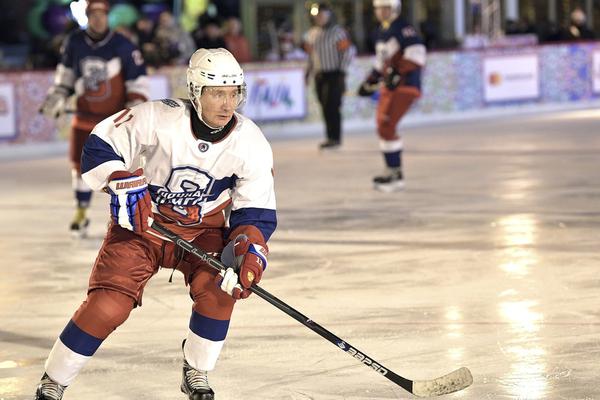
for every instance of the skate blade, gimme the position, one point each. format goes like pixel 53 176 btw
pixel 389 187
pixel 80 232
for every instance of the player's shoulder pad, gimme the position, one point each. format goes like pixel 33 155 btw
pixel 75 38
pixel 123 45
pixel 158 111
pixel 249 127
pixel 122 41
pixel 402 27
pixel 173 103
pixel 167 103
pixel 253 141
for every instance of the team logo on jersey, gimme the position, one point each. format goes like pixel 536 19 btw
pixel 203 147
pixel 95 76
pixel 183 194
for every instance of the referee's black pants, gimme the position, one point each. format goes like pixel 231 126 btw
pixel 330 87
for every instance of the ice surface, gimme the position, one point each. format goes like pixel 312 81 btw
pixel 489 259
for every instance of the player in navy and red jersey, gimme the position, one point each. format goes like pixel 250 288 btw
pixel 205 172
pixel 399 57
pixel 106 73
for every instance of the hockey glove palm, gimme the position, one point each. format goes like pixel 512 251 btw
pixel 247 261
pixel 55 102
pixel 130 202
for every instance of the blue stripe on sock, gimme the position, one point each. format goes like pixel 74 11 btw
pixel 79 341
pixel 83 198
pixel 208 328
pixel 392 159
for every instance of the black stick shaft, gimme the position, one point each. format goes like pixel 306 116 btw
pixel 406 384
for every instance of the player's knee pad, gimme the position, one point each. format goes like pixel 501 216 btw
pixel 209 300
pixel 386 130
pixel 102 312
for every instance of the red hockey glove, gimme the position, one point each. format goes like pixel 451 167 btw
pixel 248 262
pixel 130 202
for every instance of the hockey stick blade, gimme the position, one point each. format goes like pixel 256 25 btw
pixel 450 383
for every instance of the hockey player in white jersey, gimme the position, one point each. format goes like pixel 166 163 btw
pixel 205 172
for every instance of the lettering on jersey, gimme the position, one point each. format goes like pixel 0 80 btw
pixel 121 119
pixel 362 358
pixel 171 103
pixel 94 72
pixel 183 194
pixel 409 31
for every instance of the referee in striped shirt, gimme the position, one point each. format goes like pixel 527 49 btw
pixel 330 52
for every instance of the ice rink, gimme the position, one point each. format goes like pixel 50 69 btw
pixel 490 259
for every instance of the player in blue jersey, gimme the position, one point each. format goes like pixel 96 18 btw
pixel 106 73
pixel 202 170
pixel 399 58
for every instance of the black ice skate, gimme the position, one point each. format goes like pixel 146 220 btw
pixel 79 229
pixel 330 145
pixel 79 226
pixel 195 382
pixel 49 390
pixel 391 181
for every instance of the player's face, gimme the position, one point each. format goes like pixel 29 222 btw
pixel 218 104
pixel 322 18
pixel 98 22
pixel 383 13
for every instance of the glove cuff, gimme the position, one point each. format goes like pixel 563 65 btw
pixel 121 182
pixel 259 252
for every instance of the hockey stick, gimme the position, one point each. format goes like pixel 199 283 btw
pixel 452 382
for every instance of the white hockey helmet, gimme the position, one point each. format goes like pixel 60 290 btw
pixel 395 4
pixel 213 67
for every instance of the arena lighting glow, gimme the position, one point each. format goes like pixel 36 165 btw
pixel 78 11
pixel 314 9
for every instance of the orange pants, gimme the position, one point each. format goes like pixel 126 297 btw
pixel 392 106
pixel 127 261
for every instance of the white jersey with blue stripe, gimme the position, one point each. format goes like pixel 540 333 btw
pixel 194 184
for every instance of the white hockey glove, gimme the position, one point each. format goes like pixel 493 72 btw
pixel 55 102
pixel 246 262
pixel 130 202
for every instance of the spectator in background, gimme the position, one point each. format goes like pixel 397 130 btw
pixel 551 32
pixel 235 41
pixel 144 31
pixel 577 29
pixel 174 45
pixel 287 49
pixel 209 35
pixel 106 73
pixel 330 52
pixel 430 33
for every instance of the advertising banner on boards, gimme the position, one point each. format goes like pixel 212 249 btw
pixel 275 94
pixel 511 78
